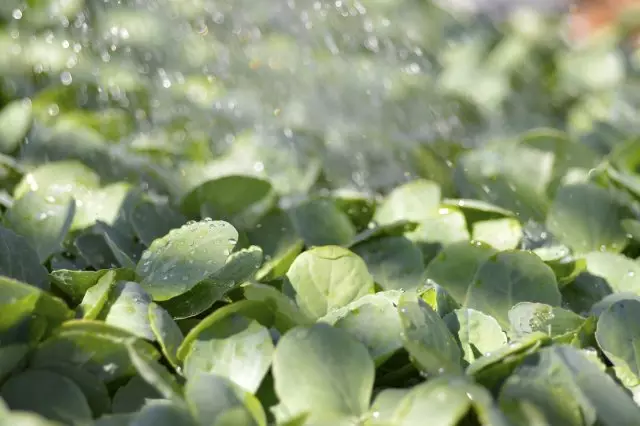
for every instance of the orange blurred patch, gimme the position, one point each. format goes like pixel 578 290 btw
pixel 592 17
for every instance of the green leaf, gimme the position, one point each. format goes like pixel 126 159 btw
pixel 414 201
pixel 232 346
pixel 586 218
pixel 128 308
pixel 374 321
pixel 74 284
pixel 477 333
pixel 134 395
pixel 620 273
pixel 42 221
pixel 92 387
pixel 20 261
pixel 276 235
pixel 491 369
pixel 48 394
pixel 427 338
pixel 320 222
pixel 477 210
pixel 152 220
pixel 393 229
pixel 337 369
pixel 166 332
pixel 527 318
pixel 326 278
pixel 155 374
pixel 210 396
pixel 501 234
pixel 618 335
pixel 447 226
pixel 175 263
pixel 544 380
pixel 446 401
pixel 455 267
pixel 28 312
pixel 240 200
pixel 11 358
pixel 239 268
pixel 163 413
pixel 508 278
pixel 286 313
pixel 16 119
pixel 96 298
pixel 91 345
pixel 395 262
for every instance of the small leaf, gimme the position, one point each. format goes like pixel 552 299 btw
pixel 181 259
pixel 326 278
pixel 128 308
pixel 501 234
pixel 618 335
pixel 427 338
pixel 166 332
pixel 16 119
pixel 477 333
pixel 20 261
pixel 152 372
pixel 43 221
pixel 414 201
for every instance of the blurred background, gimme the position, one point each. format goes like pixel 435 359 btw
pixel 343 94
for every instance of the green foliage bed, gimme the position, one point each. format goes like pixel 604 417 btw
pixel 376 213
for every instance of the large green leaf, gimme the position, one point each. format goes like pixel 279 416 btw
pixel 238 269
pixel 230 345
pixel 175 263
pixel 338 374
pixel 508 278
pixel 326 278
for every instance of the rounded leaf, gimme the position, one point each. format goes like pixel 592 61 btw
pixel 337 370
pixel 326 278
pixel 175 263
